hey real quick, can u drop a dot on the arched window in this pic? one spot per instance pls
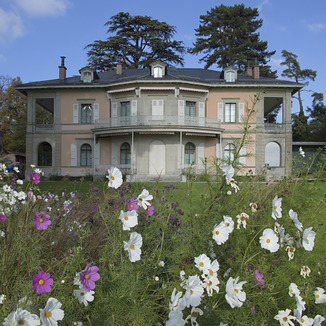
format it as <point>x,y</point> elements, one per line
<point>273,154</point>
<point>229,153</point>
<point>230,76</point>
<point>44,154</point>
<point>125,154</point>
<point>190,150</point>
<point>86,155</point>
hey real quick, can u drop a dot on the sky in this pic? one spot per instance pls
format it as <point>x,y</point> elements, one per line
<point>34,34</point>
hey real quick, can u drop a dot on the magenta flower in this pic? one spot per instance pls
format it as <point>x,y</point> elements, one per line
<point>259,279</point>
<point>41,220</point>
<point>132,205</point>
<point>35,178</point>
<point>88,276</point>
<point>3,217</point>
<point>150,210</point>
<point>42,282</point>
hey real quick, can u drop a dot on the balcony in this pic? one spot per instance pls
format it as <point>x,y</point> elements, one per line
<point>157,121</point>
<point>43,127</point>
<point>274,127</point>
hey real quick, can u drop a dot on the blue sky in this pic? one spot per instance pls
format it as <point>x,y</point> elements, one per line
<point>35,33</point>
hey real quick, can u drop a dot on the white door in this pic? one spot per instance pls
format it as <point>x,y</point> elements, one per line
<point>157,158</point>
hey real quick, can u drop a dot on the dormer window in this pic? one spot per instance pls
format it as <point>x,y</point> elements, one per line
<point>230,74</point>
<point>87,75</point>
<point>158,69</point>
<point>158,72</point>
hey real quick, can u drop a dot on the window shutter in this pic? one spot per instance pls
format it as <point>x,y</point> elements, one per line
<point>97,154</point>
<point>75,113</point>
<point>241,112</point>
<point>96,112</point>
<point>157,109</point>
<point>114,109</point>
<point>201,112</point>
<point>181,112</point>
<point>220,108</point>
<point>73,155</point>
<point>242,159</point>
<point>134,108</point>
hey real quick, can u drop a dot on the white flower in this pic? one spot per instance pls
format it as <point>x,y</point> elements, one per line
<point>229,192</point>
<point>305,271</point>
<point>228,222</point>
<point>234,296</point>
<point>277,210</point>
<point>308,239</point>
<point>2,298</point>
<point>215,266</point>
<point>254,207</point>
<point>269,240</point>
<point>220,233</point>
<point>302,320</point>
<point>115,177</point>
<point>6,188</point>
<point>242,220</point>
<point>301,152</point>
<point>83,296</point>
<point>320,296</point>
<point>20,182</point>
<point>16,169</point>
<point>211,283</point>
<point>318,320</point>
<point>293,290</point>
<point>51,313</point>
<point>133,246</point>
<point>301,305</point>
<point>176,299</point>
<point>228,173</point>
<point>175,318</point>
<point>38,171</point>
<point>161,263</point>
<point>143,199</point>
<point>290,251</point>
<point>129,219</point>
<point>294,217</point>
<point>234,185</point>
<point>195,312</point>
<point>203,263</point>
<point>194,290</point>
<point>284,317</point>
<point>21,317</point>
<point>21,195</point>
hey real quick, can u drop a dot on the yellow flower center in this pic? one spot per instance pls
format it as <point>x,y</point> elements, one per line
<point>211,272</point>
<point>217,232</point>
<point>257,278</point>
<point>236,290</point>
<point>126,218</point>
<point>132,246</point>
<point>112,178</point>
<point>34,180</point>
<point>275,207</point>
<point>21,322</point>
<point>140,199</point>
<point>302,320</point>
<point>268,241</point>
<point>227,224</point>
<point>191,292</point>
<point>82,293</point>
<point>201,264</point>
<point>41,220</point>
<point>242,218</point>
<point>194,314</point>
<point>291,290</point>
<point>131,206</point>
<point>87,276</point>
<point>285,318</point>
<point>317,296</point>
<point>40,282</point>
<point>210,283</point>
<point>47,314</point>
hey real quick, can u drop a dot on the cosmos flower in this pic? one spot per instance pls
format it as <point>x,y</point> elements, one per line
<point>133,246</point>
<point>3,218</point>
<point>42,282</point>
<point>215,266</point>
<point>143,199</point>
<point>115,177</point>
<point>308,239</point>
<point>254,207</point>
<point>277,209</point>
<point>51,312</point>
<point>41,220</point>
<point>220,233</point>
<point>293,290</point>
<point>176,300</point>
<point>294,217</point>
<point>3,297</point>
<point>228,173</point>
<point>161,263</point>
<point>285,318</point>
<point>194,290</point>
<point>305,271</point>
<point>150,210</point>
<point>132,205</point>
<point>203,263</point>
<point>211,283</point>
<point>21,317</point>
<point>83,296</point>
<point>259,279</point>
<point>35,178</point>
<point>88,276</point>
<point>301,152</point>
<point>290,251</point>
<point>269,240</point>
<point>129,219</point>
<point>320,296</point>
<point>195,312</point>
<point>228,222</point>
<point>234,294</point>
<point>318,320</point>
<point>242,220</point>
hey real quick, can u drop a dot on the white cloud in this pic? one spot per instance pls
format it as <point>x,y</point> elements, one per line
<point>43,7</point>
<point>11,26</point>
<point>275,63</point>
<point>316,27</point>
<point>262,4</point>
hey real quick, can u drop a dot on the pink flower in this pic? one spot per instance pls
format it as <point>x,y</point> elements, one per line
<point>35,178</point>
<point>42,282</point>
<point>42,220</point>
<point>132,205</point>
<point>150,210</point>
<point>3,217</point>
<point>88,277</point>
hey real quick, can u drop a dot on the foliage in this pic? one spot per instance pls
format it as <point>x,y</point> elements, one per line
<point>227,35</point>
<point>13,114</point>
<point>137,41</point>
<point>317,121</point>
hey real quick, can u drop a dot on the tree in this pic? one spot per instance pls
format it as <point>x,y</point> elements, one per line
<point>13,108</point>
<point>318,117</point>
<point>137,41</point>
<point>227,36</point>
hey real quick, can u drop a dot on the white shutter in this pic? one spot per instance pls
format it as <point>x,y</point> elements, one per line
<point>201,113</point>
<point>114,109</point>
<point>96,112</point>
<point>220,109</point>
<point>157,109</point>
<point>242,159</point>
<point>97,154</point>
<point>73,155</point>
<point>75,113</point>
<point>241,112</point>
<point>181,112</point>
<point>134,108</point>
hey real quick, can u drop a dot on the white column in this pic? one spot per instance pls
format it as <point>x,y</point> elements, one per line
<point>180,145</point>
<point>132,153</point>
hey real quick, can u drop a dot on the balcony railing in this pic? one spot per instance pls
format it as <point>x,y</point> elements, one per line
<point>274,127</point>
<point>43,127</point>
<point>156,120</point>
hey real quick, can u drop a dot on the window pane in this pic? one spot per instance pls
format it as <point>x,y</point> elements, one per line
<point>86,113</point>
<point>190,109</point>
<point>190,153</point>
<point>44,110</point>
<point>125,155</point>
<point>229,153</point>
<point>125,109</point>
<point>86,155</point>
<point>45,154</point>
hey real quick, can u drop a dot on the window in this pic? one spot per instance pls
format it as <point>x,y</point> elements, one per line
<point>125,157</point>
<point>229,112</point>
<point>86,155</point>
<point>230,76</point>
<point>229,154</point>
<point>44,154</point>
<point>87,77</point>
<point>273,154</point>
<point>86,113</point>
<point>125,109</point>
<point>44,110</point>
<point>190,109</point>
<point>190,150</point>
<point>158,72</point>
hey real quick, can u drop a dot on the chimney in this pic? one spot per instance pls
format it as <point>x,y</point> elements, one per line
<point>249,71</point>
<point>62,69</point>
<point>256,72</point>
<point>119,66</point>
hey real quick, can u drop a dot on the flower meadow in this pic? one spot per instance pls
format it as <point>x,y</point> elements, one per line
<point>238,253</point>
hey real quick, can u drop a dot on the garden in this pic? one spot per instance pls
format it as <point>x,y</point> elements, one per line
<point>227,251</point>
